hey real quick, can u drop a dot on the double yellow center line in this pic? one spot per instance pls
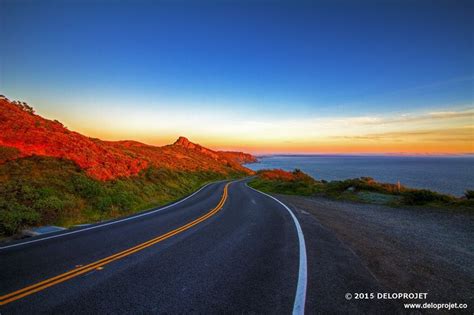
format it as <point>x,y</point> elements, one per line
<point>13,296</point>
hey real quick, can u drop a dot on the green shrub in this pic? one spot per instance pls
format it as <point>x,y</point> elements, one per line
<point>86,187</point>
<point>123,200</point>
<point>14,217</point>
<point>103,204</point>
<point>50,208</point>
<point>301,186</point>
<point>423,196</point>
<point>362,184</point>
<point>469,194</point>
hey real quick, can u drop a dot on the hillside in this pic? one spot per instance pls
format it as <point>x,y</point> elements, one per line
<point>51,175</point>
<point>239,157</point>
<point>30,134</point>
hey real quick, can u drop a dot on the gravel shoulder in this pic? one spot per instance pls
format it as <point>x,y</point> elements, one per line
<point>405,250</point>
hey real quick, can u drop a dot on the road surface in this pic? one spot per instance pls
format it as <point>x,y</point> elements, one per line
<point>225,249</point>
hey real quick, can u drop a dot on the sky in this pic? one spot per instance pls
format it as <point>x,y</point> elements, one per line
<point>258,76</point>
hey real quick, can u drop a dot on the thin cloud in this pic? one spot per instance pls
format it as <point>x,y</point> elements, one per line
<point>408,118</point>
<point>465,134</point>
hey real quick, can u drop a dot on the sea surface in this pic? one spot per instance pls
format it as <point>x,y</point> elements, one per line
<point>452,175</point>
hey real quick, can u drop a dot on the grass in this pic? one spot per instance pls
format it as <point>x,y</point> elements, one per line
<point>364,189</point>
<point>41,191</point>
<point>377,198</point>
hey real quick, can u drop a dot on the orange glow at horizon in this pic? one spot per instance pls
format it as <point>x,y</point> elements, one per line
<point>436,132</point>
<point>354,148</point>
<point>409,145</point>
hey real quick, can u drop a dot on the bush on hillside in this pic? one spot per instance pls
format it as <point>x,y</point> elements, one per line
<point>24,106</point>
<point>423,196</point>
<point>14,217</point>
<point>469,194</point>
<point>363,184</point>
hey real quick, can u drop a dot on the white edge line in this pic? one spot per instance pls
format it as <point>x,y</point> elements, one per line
<point>300,296</point>
<point>112,222</point>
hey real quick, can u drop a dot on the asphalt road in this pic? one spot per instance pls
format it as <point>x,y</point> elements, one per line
<point>225,249</point>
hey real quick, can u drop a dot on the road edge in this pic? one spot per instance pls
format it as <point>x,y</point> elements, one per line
<point>300,296</point>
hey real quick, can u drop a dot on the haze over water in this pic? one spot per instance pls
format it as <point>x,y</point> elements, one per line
<point>451,175</point>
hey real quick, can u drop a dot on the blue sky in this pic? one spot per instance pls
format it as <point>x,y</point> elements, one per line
<point>236,61</point>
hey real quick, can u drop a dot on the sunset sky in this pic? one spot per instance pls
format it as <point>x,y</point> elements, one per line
<point>265,77</point>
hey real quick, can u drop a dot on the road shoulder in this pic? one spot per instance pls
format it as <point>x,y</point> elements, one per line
<point>367,248</point>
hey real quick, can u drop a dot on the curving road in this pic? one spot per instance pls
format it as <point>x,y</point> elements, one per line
<point>225,249</point>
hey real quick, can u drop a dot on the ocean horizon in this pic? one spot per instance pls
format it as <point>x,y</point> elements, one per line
<point>448,174</point>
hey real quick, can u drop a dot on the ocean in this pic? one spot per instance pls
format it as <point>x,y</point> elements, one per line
<point>451,175</point>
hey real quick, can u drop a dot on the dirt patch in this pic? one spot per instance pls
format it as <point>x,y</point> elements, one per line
<point>407,250</point>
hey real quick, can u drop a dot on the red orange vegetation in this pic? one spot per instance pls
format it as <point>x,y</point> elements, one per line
<point>31,134</point>
<point>239,157</point>
<point>281,175</point>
